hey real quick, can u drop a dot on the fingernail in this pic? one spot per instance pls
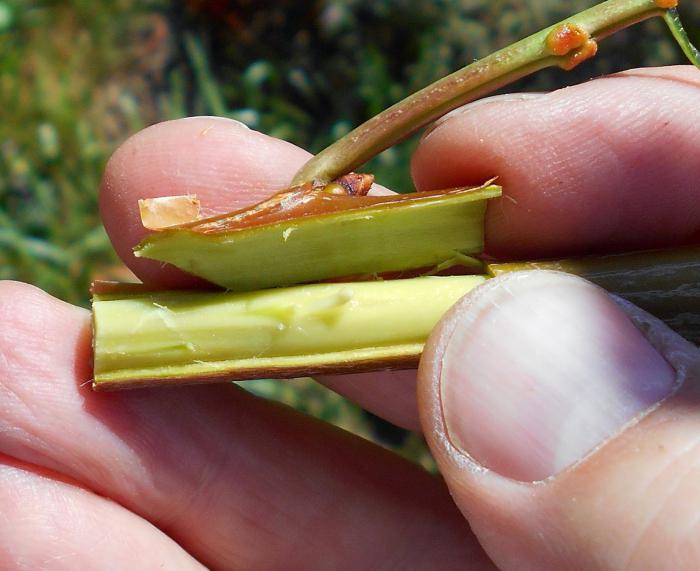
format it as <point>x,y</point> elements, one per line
<point>478,103</point>
<point>540,369</point>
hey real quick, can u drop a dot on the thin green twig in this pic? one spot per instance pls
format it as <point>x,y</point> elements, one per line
<point>483,77</point>
<point>673,21</point>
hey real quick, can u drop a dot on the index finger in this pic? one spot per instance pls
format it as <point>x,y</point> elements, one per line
<point>609,165</point>
<point>225,164</point>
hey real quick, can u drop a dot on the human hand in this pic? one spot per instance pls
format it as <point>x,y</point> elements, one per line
<point>170,477</point>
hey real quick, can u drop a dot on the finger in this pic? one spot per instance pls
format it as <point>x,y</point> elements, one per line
<point>543,377</point>
<point>227,166</point>
<point>607,165</point>
<point>49,523</point>
<point>389,394</point>
<point>237,481</point>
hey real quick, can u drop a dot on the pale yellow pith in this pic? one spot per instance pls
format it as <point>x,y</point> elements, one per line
<point>187,334</point>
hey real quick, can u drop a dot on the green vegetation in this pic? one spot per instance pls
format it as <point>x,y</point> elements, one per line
<point>78,76</point>
<point>68,97</point>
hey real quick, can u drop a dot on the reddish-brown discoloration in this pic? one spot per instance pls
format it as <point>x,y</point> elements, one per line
<point>107,287</point>
<point>346,192</point>
<point>565,38</point>
<point>104,287</point>
<point>354,184</point>
<point>666,3</point>
<point>306,200</point>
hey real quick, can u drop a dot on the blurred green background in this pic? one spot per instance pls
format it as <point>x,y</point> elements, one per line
<point>77,77</point>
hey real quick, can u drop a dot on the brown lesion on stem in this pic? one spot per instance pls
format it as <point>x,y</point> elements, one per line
<point>351,184</point>
<point>573,41</point>
<point>348,192</point>
<point>179,212</point>
<point>666,4</point>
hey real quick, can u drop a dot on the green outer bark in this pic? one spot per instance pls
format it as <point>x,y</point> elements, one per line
<point>181,337</point>
<point>420,233</point>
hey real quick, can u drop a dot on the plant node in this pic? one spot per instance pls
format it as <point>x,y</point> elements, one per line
<point>572,40</point>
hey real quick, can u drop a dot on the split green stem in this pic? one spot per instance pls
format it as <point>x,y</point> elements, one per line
<point>421,230</point>
<point>143,338</point>
<point>183,337</point>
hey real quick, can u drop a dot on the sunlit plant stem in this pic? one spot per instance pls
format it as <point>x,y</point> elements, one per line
<point>565,44</point>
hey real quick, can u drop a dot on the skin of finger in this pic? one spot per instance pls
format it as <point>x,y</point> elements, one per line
<point>237,481</point>
<point>391,394</point>
<point>608,165</point>
<point>227,166</point>
<point>630,504</point>
<point>49,523</point>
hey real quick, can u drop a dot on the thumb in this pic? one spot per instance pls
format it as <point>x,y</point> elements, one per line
<point>566,424</point>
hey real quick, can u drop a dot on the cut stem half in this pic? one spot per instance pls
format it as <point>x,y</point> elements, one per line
<point>382,234</point>
<point>144,339</point>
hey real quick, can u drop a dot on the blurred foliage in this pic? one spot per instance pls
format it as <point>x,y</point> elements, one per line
<point>78,76</point>
<point>68,94</point>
